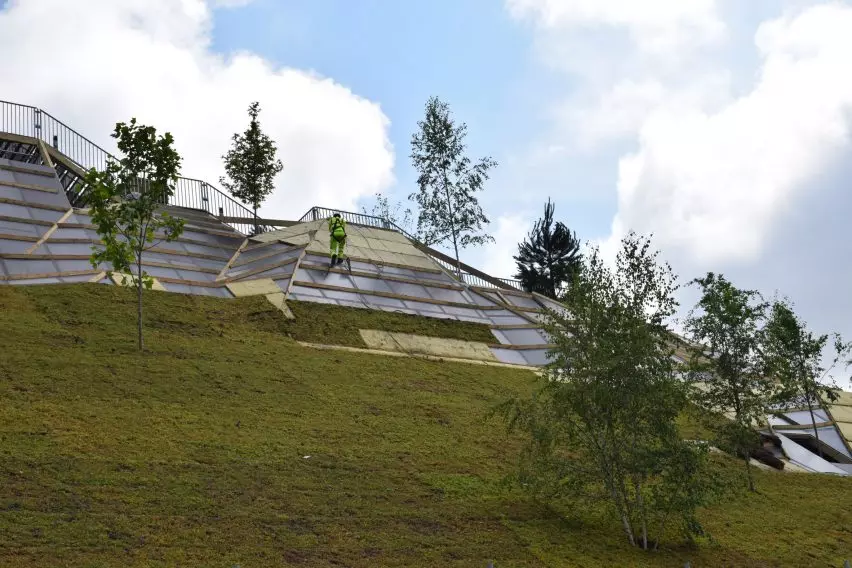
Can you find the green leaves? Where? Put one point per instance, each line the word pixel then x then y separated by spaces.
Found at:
pixel 448 181
pixel 124 200
pixel 548 259
pixel 250 164
pixel 603 424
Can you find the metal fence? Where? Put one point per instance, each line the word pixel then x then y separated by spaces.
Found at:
pixel 26 120
pixel 316 213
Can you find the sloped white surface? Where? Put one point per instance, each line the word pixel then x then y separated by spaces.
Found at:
pixel 806 459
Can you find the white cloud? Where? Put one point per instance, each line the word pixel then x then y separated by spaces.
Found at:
pixel 510 230
pixel 659 27
pixel 712 185
pixel 107 61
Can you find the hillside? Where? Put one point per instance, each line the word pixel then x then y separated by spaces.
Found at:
pixel 230 444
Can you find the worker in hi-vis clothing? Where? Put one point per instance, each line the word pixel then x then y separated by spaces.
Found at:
pixel 337 238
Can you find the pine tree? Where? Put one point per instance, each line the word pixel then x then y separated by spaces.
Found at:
pixel 251 165
pixel 549 258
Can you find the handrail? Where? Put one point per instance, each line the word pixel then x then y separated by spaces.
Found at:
pixel 469 275
pixel 26 120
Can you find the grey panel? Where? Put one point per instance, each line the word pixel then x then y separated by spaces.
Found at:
pixel 506 320
pixel 447 295
pixel 226 254
pixel 278 272
pixel 283 283
pixel 336 295
pixel 24 165
pixel 305 291
pixel 194 275
pixel 423 306
pixel 185 260
pixel 44 198
pixel 501 337
pixel 804 416
pixel 64 248
pixel 69 265
pixel 74 279
pixel 380 301
pixel 482 320
pixel 305 275
pixel 535 356
pixel 522 302
pixel 35 281
pixel 29 266
pixel 481 300
pixel 22 228
pixel 11 193
pixel 158 272
pixel 404 289
pixel 280 248
pixel 508 356
pixel 33 179
pixel 14 247
pixel 65 233
pixel 524 336
pixel 12 210
pixel 371 284
pixel 44 214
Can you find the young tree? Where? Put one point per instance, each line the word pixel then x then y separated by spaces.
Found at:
pixel 448 181
pixel 251 165
pixel 124 202
pixel 549 257
pixel 793 357
pixel 384 211
pixel 726 365
pixel 603 425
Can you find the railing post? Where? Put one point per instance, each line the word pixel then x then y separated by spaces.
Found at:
pixel 56 141
pixel 220 213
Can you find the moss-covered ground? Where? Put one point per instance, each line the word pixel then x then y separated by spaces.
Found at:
pixel 227 444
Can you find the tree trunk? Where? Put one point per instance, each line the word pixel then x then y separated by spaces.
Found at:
pixel 643 518
pixel 255 218
pixel 453 226
pixel 139 303
pixel 813 424
pixel 747 458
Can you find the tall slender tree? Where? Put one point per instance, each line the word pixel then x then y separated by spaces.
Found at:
pixel 603 426
pixel 549 257
pixel 448 182
pixel 794 359
pixel 251 164
pixel 125 200
pixel 726 363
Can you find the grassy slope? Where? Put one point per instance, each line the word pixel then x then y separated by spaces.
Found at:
pixel 194 454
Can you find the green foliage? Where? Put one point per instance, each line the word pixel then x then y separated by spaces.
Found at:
pixel 726 363
pixel 604 424
pixel 396 215
pixel 124 201
pixel 549 257
pixel 250 164
pixel 193 455
pixel 447 181
pixel 793 356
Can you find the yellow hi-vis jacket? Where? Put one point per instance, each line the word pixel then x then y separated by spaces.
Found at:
pixel 337 227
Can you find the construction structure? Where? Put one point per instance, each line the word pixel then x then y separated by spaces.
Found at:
pixel 46 236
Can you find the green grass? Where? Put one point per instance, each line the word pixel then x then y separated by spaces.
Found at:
pixel 194 454
pixel 337 325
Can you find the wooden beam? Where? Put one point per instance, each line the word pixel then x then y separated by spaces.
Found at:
pixel 260 270
pixel 45 155
pixel 21 170
pixel 389 277
pixel 232 259
pixel 50 231
pixel 45 206
pixel 28 186
pixel 25 238
pixel 293 276
pixel 400 297
pixel 25 221
pixel 18 277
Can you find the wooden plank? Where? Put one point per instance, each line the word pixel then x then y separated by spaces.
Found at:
pixel 49 275
pixel 199 283
pixel 293 276
pixel 25 221
pixel 260 270
pixel 29 186
pixel 98 277
pixel 50 231
pixel 18 138
pixel 522 347
pixel 232 259
pixel 20 170
pixel 396 296
pixel 24 238
pixel 45 156
pixel 44 206
pixel 389 277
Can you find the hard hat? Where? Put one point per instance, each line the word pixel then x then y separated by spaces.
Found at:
pixel 336 214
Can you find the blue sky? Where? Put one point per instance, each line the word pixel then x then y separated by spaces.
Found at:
pixel 472 54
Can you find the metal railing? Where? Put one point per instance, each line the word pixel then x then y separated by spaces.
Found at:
pixel 31 121
pixel 316 213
